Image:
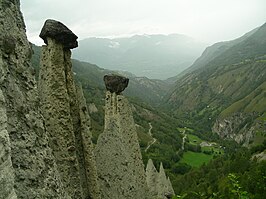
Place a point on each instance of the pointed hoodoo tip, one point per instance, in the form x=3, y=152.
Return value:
x=58, y=31
x=115, y=83
x=161, y=165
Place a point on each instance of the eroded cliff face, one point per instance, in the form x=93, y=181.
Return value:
x=118, y=157
x=239, y=127
x=27, y=166
x=66, y=115
x=6, y=172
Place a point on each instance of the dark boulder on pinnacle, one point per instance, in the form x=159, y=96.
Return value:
x=59, y=32
x=115, y=83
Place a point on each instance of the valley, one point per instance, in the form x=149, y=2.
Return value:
x=87, y=127
x=200, y=118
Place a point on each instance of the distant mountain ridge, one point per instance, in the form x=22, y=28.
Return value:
x=143, y=55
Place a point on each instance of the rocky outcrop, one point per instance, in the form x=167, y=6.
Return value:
x=159, y=186
x=238, y=127
x=115, y=83
x=118, y=157
x=27, y=166
x=65, y=113
x=259, y=156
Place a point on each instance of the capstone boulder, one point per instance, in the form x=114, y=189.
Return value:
x=60, y=33
x=115, y=83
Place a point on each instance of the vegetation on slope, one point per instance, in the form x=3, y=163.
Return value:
x=219, y=178
x=229, y=78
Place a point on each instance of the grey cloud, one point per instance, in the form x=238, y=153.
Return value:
x=206, y=20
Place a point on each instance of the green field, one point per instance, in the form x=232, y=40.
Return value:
x=195, y=159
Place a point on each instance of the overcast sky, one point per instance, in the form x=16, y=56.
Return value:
x=205, y=20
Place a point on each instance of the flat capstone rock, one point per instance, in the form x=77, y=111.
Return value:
x=58, y=31
x=115, y=83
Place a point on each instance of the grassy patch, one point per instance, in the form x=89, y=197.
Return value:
x=195, y=159
x=253, y=102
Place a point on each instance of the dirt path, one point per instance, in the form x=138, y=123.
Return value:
x=184, y=139
x=153, y=140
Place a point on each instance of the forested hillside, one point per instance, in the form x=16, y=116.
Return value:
x=225, y=80
x=224, y=93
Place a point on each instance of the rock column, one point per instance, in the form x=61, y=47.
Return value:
x=65, y=113
x=119, y=161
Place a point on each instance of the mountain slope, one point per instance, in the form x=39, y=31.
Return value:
x=217, y=49
x=149, y=90
x=143, y=55
x=210, y=53
x=225, y=82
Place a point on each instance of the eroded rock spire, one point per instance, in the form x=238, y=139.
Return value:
x=159, y=185
x=163, y=185
x=119, y=161
x=65, y=112
x=152, y=178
